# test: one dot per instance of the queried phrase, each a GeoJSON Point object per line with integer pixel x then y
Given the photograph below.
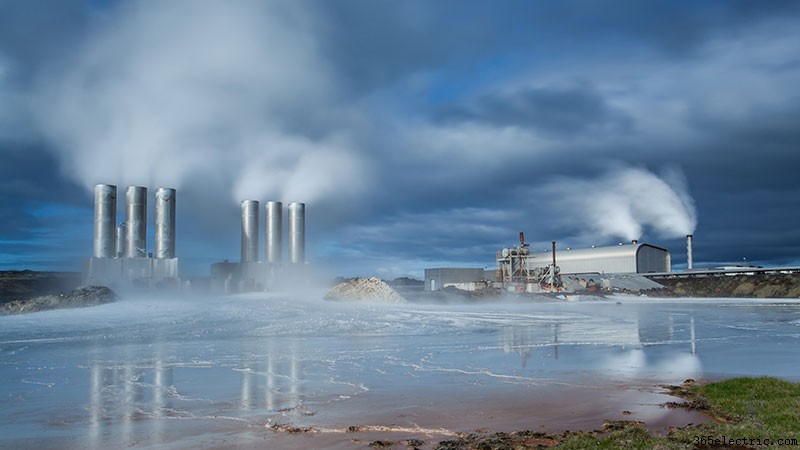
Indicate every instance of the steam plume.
{"type": "Point", "coordinates": [624, 201]}
{"type": "Point", "coordinates": [214, 93]}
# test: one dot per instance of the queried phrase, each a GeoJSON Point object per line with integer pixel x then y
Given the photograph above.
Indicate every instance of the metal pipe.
{"type": "Point", "coordinates": [297, 233]}
{"type": "Point", "coordinates": [105, 217]}
{"type": "Point", "coordinates": [165, 223]}
{"type": "Point", "coordinates": [136, 221]}
{"type": "Point", "coordinates": [689, 261]}
{"type": "Point", "coordinates": [273, 232]}
{"type": "Point", "coordinates": [121, 240]}
{"type": "Point", "coordinates": [249, 231]}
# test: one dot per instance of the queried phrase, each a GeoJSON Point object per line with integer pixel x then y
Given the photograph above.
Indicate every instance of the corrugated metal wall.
{"type": "Point", "coordinates": [630, 258]}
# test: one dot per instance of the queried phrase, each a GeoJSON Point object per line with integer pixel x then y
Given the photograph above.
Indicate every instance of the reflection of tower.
{"type": "Point", "coordinates": [247, 395]}
{"type": "Point", "coordinates": [95, 397]}
{"type": "Point", "coordinates": [270, 394]}
{"type": "Point", "coordinates": [294, 377]}
{"type": "Point", "coordinates": [556, 327]}
{"type": "Point", "coordinates": [691, 332]}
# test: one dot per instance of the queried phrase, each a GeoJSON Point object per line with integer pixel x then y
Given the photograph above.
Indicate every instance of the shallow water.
{"type": "Point", "coordinates": [219, 372]}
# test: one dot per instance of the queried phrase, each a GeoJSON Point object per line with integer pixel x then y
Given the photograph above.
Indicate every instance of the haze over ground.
{"type": "Point", "coordinates": [419, 134]}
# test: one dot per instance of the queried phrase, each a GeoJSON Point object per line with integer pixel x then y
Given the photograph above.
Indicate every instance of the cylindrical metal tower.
{"type": "Point", "coordinates": [249, 231]}
{"type": "Point", "coordinates": [297, 233]}
{"type": "Point", "coordinates": [120, 240]}
{"type": "Point", "coordinates": [689, 261]}
{"type": "Point", "coordinates": [165, 223]}
{"type": "Point", "coordinates": [136, 222]}
{"type": "Point", "coordinates": [273, 232]}
{"type": "Point", "coordinates": [105, 217]}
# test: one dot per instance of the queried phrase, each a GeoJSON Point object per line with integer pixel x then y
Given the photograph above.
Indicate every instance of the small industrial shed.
{"type": "Point", "coordinates": [628, 258]}
{"type": "Point", "coordinates": [462, 278]}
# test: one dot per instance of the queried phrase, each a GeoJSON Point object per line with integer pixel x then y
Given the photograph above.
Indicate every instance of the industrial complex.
{"type": "Point", "coordinates": [120, 258]}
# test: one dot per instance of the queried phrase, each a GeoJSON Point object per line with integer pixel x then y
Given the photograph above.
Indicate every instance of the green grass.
{"type": "Point", "coordinates": [748, 409]}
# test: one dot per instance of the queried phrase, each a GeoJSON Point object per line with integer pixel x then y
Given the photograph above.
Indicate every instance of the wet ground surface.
{"type": "Point", "coordinates": [291, 372]}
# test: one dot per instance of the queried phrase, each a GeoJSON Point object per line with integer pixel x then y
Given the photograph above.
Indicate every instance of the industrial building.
{"type": "Point", "coordinates": [462, 278]}
{"type": "Point", "coordinates": [618, 259]}
{"type": "Point", "coordinates": [120, 258]}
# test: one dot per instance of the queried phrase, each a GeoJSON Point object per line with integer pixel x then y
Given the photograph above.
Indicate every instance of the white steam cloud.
{"type": "Point", "coordinates": [623, 202]}
{"type": "Point", "coordinates": [229, 95]}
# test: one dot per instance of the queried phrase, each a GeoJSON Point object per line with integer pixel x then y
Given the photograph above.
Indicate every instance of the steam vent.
{"type": "Point", "coordinates": [253, 273]}
{"type": "Point", "coordinates": [119, 256]}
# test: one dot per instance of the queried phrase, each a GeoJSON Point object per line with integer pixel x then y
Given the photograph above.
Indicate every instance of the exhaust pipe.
{"type": "Point", "coordinates": [297, 233]}
{"type": "Point", "coordinates": [136, 222]}
{"type": "Point", "coordinates": [689, 251]}
{"type": "Point", "coordinates": [249, 231]}
{"type": "Point", "coordinates": [105, 217]}
{"type": "Point", "coordinates": [273, 231]}
{"type": "Point", "coordinates": [165, 223]}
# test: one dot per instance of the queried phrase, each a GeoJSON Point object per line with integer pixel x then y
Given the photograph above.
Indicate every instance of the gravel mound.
{"type": "Point", "coordinates": [365, 289]}
{"type": "Point", "coordinates": [79, 298]}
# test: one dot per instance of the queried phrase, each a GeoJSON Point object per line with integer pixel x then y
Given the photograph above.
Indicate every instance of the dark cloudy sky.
{"type": "Point", "coordinates": [419, 133]}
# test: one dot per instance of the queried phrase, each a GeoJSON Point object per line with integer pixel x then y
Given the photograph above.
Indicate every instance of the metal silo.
{"type": "Point", "coordinates": [273, 232]}
{"type": "Point", "coordinates": [297, 233]}
{"type": "Point", "coordinates": [105, 217]}
{"type": "Point", "coordinates": [249, 231]}
{"type": "Point", "coordinates": [136, 221]}
{"type": "Point", "coordinates": [165, 223]}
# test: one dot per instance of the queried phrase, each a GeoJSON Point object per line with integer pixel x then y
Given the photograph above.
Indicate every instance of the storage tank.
{"type": "Point", "coordinates": [136, 222]}
{"type": "Point", "coordinates": [273, 232]}
{"type": "Point", "coordinates": [249, 231]}
{"type": "Point", "coordinates": [165, 223]}
{"type": "Point", "coordinates": [105, 217]}
{"type": "Point", "coordinates": [297, 233]}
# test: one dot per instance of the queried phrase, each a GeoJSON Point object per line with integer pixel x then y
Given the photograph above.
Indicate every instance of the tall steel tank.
{"type": "Point", "coordinates": [273, 232]}
{"type": "Point", "coordinates": [165, 223]}
{"type": "Point", "coordinates": [105, 218]}
{"type": "Point", "coordinates": [249, 231]}
{"type": "Point", "coordinates": [297, 233]}
{"type": "Point", "coordinates": [136, 222]}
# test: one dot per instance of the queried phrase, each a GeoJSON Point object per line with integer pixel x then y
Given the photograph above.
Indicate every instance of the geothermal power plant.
{"type": "Point", "coordinates": [253, 273]}
{"type": "Point", "coordinates": [120, 255]}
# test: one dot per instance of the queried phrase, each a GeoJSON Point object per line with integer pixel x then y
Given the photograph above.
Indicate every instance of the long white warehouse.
{"type": "Point", "coordinates": [628, 258]}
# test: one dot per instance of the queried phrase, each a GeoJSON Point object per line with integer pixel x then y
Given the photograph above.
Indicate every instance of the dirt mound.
{"type": "Point", "coordinates": [758, 285]}
{"type": "Point", "coordinates": [365, 289]}
{"type": "Point", "coordinates": [78, 298]}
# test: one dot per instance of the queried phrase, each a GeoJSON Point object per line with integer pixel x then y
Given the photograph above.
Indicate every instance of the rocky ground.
{"type": "Point", "coordinates": [25, 284]}
{"type": "Point", "coordinates": [752, 286]}
{"type": "Point", "coordinates": [78, 298]}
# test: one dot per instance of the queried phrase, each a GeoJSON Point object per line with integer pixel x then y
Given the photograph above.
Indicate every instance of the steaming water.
{"type": "Point", "coordinates": [182, 373]}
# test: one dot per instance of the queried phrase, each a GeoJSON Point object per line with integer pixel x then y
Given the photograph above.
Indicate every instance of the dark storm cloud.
{"type": "Point", "coordinates": [419, 132]}
{"type": "Point", "coordinates": [551, 110]}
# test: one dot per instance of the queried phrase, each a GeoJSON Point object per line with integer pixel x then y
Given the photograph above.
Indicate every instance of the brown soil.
{"type": "Point", "coordinates": [752, 286]}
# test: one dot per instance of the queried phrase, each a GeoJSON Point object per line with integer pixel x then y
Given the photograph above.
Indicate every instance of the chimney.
{"type": "Point", "coordinates": [249, 231]}
{"type": "Point", "coordinates": [105, 216]}
{"type": "Point", "coordinates": [165, 223]}
{"type": "Point", "coordinates": [136, 222]}
{"type": "Point", "coordinates": [297, 233]}
{"type": "Point", "coordinates": [273, 231]}
{"type": "Point", "coordinates": [689, 252]}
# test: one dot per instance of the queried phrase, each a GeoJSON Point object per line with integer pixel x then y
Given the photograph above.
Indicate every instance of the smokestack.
{"type": "Point", "coordinates": [136, 222]}
{"type": "Point", "coordinates": [105, 216]}
{"type": "Point", "coordinates": [165, 223]}
{"type": "Point", "coordinates": [689, 251]}
{"type": "Point", "coordinates": [297, 233]}
{"type": "Point", "coordinates": [249, 231]}
{"type": "Point", "coordinates": [121, 240]}
{"type": "Point", "coordinates": [273, 232]}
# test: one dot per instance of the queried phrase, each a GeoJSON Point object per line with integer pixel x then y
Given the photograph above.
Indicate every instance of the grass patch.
{"type": "Point", "coordinates": [748, 413]}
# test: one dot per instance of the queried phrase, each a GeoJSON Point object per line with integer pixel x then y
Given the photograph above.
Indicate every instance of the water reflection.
{"type": "Point", "coordinates": [638, 343]}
